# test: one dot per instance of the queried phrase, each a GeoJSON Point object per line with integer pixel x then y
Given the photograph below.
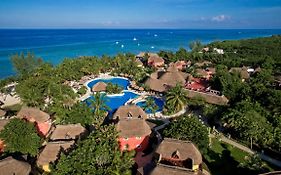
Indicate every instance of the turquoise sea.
{"type": "Point", "coordinates": [53, 45]}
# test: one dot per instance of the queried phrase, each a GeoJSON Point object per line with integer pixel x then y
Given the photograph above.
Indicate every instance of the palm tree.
{"type": "Point", "coordinates": [176, 98]}
{"type": "Point", "coordinates": [98, 104]}
{"type": "Point", "coordinates": [150, 105]}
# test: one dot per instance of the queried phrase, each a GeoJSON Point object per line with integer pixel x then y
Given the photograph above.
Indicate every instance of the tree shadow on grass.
{"type": "Point", "coordinates": [223, 163]}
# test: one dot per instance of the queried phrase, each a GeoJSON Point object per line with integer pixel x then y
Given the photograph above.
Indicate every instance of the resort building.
{"type": "Point", "coordinates": [2, 125]}
{"type": "Point", "coordinates": [41, 119]}
{"type": "Point", "coordinates": [61, 140]}
{"type": "Point", "coordinates": [181, 65]}
{"type": "Point", "coordinates": [68, 132]}
{"type": "Point", "coordinates": [155, 60]}
{"type": "Point", "coordinates": [242, 71]}
{"type": "Point", "coordinates": [219, 51]}
{"type": "Point", "coordinates": [11, 166]}
{"type": "Point", "coordinates": [161, 81]}
{"type": "Point", "coordinates": [176, 157]}
{"type": "Point", "coordinates": [203, 64]}
{"type": "Point", "coordinates": [134, 131]}
{"type": "Point", "coordinates": [99, 87]}
{"type": "Point", "coordinates": [51, 153]}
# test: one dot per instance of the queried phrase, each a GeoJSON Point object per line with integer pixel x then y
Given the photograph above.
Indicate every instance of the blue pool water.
{"type": "Point", "coordinates": [159, 102]}
{"type": "Point", "coordinates": [122, 82]}
{"type": "Point", "coordinates": [114, 102]}
{"type": "Point", "coordinates": [53, 45]}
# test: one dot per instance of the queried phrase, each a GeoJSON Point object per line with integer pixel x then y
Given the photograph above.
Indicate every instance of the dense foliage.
{"type": "Point", "coordinates": [98, 154]}
{"type": "Point", "coordinates": [113, 88]}
{"type": "Point", "coordinates": [20, 137]}
{"type": "Point", "coordinates": [188, 128]}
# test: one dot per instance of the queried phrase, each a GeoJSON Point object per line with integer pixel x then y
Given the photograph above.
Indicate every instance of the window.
{"type": "Point", "coordinates": [138, 146]}
{"type": "Point", "coordinates": [138, 138]}
{"type": "Point", "coordinates": [125, 138]}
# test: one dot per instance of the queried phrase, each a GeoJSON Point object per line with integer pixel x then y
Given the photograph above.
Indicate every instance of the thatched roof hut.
{"type": "Point", "coordinates": [185, 150]}
{"type": "Point", "coordinates": [162, 169]}
{"type": "Point", "coordinates": [134, 127]}
{"type": "Point", "coordinates": [155, 85]}
{"type": "Point", "coordinates": [129, 111]}
{"type": "Point", "coordinates": [98, 87]}
{"type": "Point", "coordinates": [11, 166]}
{"type": "Point", "coordinates": [68, 132]}
{"type": "Point", "coordinates": [52, 151]}
{"type": "Point", "coordinates": [242, 71]}
{"type": "Point", "coordinates": [33, 115]}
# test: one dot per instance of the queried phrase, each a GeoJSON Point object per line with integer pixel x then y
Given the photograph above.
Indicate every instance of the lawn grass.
{"type": "Point", "coordinates": [224, 159]}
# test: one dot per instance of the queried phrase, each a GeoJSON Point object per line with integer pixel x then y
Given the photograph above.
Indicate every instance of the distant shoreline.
{"type": "Point", "coordinates": [53, 45]}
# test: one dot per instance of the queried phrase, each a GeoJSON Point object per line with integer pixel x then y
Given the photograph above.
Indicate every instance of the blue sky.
{"type": "Point", "coordinates": [140, 13]}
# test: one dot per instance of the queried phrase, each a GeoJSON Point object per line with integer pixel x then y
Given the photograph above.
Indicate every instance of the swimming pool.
{"type": "Point", "coordinates": [158, 101]}
{"type": "Point", "coordinates": [115, 101]}
{"type": "Point", "coordinates": [122, 82]}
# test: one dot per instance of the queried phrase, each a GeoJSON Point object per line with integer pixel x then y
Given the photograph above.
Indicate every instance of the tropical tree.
{"type": "Point", "coordinates": [25, 65]}
{"type": "Point", "coordinates": [20, 137]}
{"type": "Point", "coordinates": [188, 128]}
{"type": "Point", "coordinates": [150, 105]}
{"type": "Point", "coordinates": [176, 99]}
{"type": "Point", "coordinates": [98, 154]}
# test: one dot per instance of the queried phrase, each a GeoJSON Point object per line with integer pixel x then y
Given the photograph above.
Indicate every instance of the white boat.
{"type": "Point", "coordinates": [135, 39]}
{"type": "Point", "coordinates": [122, 45]}
{"type": "Point", "coordinates": [155, 35]}
{"type": "Point", "coordinates": [152, 47]}
{"type": "Point", "coordinates": [138, 44]}
{"type": "Point", "coordinates": [116, 42]}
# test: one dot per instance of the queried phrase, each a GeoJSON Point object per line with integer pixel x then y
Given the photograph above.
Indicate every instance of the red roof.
{"type": "Point", "coordinates": [198, 84]}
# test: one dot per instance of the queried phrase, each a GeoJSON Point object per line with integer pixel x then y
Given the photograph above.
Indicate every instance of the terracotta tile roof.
{"type": "Point", "coordinates": [133, 111]}
{"type": "Point", "coordinates": [3, 123]}
{"type": "Point", "coordinates": [52, 151]}
{"type": "Point", "coordinates": [67, 132]}
{"type": "Point", "coordinates": [161, 169]}
{"type": "Point", "coordinates": [100, 86]}
{"type": "Point", "coordinates": [133, 128]}
{"type": "Point", "coordinates": [11, 166]}
{"type": "Point", "coordinates": [186, 150]}
{"type": "Point", "coordinates": [33, 114]}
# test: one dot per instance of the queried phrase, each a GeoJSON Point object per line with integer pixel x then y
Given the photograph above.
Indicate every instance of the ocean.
{"type": "Point", "coordinates": [53, 45]}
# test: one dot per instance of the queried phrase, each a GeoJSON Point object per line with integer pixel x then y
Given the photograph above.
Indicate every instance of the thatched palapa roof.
{"type": "Point", "coordinates": [33, 114]}
{"type": "Point", "coordinates": [133, 128]}
{"type": "Point", "coordinates": [133, 111]}
{"type": "Point", "coordinates": [67, 132]}
{"type": "Point", "coordinates": [98, 87]}
{"type": "Point", "coordinates": [11, 166]}
{"type": "Point", "coordinates": [242, 71]}
{"type": "Point", "coordinates": [186, 150]}
{"type": "Point", "coordinates": [52, 151]}
{"type": "Point", "coordinates": [162, 169]}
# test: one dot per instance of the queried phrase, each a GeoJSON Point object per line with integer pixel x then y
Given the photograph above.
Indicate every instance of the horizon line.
{"type": "Point", "coordinates": [86, 28]}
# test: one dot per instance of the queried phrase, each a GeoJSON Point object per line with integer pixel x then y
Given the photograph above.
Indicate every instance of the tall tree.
{"type": "Point", "coordinates": [188, 128]}
{"type": "Point", "coordinates": [176, 99]}
{"type": "Point", "coordinates": [24, 65]}
{"type": "Point", "coordinates": [98, 154]}
{"type": "Point", "coordinates": [20, 137]}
